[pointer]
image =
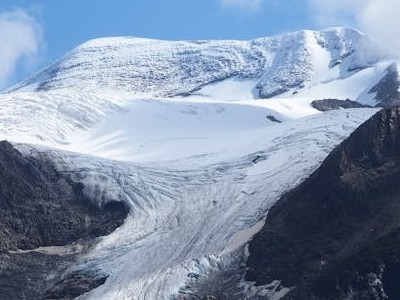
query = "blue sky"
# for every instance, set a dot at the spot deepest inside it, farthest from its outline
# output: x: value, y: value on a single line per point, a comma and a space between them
x: 69, y: 23
x: 59, y: 26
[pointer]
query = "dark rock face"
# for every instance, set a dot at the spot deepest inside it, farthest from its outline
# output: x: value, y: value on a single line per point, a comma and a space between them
x: 390, y: 280
x: 22, y: 276
x: 39, y: 208
x: 330, y: 104
x: 273, y: 119
x: 75, y: 285
x: 387, y: 90
x: 337, y: 236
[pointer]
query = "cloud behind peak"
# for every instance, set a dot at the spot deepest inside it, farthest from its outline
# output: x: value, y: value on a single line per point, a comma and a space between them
x: 21, y: 38
x: 377, y: 18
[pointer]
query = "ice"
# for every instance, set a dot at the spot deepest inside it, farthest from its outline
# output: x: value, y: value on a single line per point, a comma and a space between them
x: 187, y: 212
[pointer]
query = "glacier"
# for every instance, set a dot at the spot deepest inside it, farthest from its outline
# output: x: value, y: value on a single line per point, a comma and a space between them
x: 183, y: 215
x: 179, y: 131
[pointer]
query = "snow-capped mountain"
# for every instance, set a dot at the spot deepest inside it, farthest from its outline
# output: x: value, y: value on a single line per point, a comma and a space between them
x: 279, y: 64
x: 207, y: 83
x: 198, y: 138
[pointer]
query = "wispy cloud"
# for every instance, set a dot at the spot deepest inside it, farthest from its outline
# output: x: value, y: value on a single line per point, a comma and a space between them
x: 21, y: 39
x: 378, y: 18
x: 335, y: 13
x: 248, y: 5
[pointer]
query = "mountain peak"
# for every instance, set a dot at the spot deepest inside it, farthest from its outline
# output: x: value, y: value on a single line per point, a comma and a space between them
x: 151, y: 67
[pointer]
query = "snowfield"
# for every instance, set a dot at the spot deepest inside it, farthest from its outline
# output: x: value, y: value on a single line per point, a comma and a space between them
x: 179, y: 132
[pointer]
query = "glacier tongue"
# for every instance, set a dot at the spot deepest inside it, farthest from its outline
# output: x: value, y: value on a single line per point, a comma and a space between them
x: 184, y: 215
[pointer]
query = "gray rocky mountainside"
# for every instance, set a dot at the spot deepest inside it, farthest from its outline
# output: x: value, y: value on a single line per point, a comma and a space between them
x: 387, y: 89
x: 41, y: 208
x: 337, y: 236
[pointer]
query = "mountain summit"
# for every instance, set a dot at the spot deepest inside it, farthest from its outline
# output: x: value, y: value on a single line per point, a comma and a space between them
x: 276, y: 65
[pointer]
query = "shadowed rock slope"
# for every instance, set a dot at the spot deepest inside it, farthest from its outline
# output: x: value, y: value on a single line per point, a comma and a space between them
x: 386, y: 91
x: 330, y: 104
x: 337, y: 236
x: 39, y: 208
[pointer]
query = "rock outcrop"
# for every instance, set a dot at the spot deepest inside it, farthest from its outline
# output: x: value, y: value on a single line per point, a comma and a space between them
x: 386, y: 91
x: 337, y: 236
x: 330, y: 104
x: 40, y: 208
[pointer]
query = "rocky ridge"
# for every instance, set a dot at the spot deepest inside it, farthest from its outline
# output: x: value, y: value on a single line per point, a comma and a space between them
x: 40, y: 209
x: 337, y: 236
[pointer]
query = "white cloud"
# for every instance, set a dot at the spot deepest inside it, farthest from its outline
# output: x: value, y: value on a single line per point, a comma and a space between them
x: 20, y: 42
x: 377, y: 18
x: 335, y: 12
x: 248, y: 5
x: 381, y: 19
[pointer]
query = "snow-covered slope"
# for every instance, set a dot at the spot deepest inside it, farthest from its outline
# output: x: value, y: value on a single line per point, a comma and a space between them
x: 180, y: 132
x: 167, y: 68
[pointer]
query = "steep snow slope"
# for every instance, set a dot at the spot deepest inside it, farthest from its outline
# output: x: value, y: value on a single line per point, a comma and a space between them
x: 166, y: 68
x: 178, y: 131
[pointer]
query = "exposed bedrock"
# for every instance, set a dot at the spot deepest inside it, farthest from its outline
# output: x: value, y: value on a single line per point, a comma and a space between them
x: 39, y: 208
x: 330, y: 104
x: 386, y: 91
x: 337, y: 236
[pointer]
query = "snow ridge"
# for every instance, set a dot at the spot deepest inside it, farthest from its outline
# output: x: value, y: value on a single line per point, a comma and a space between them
x: 169, y: 68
